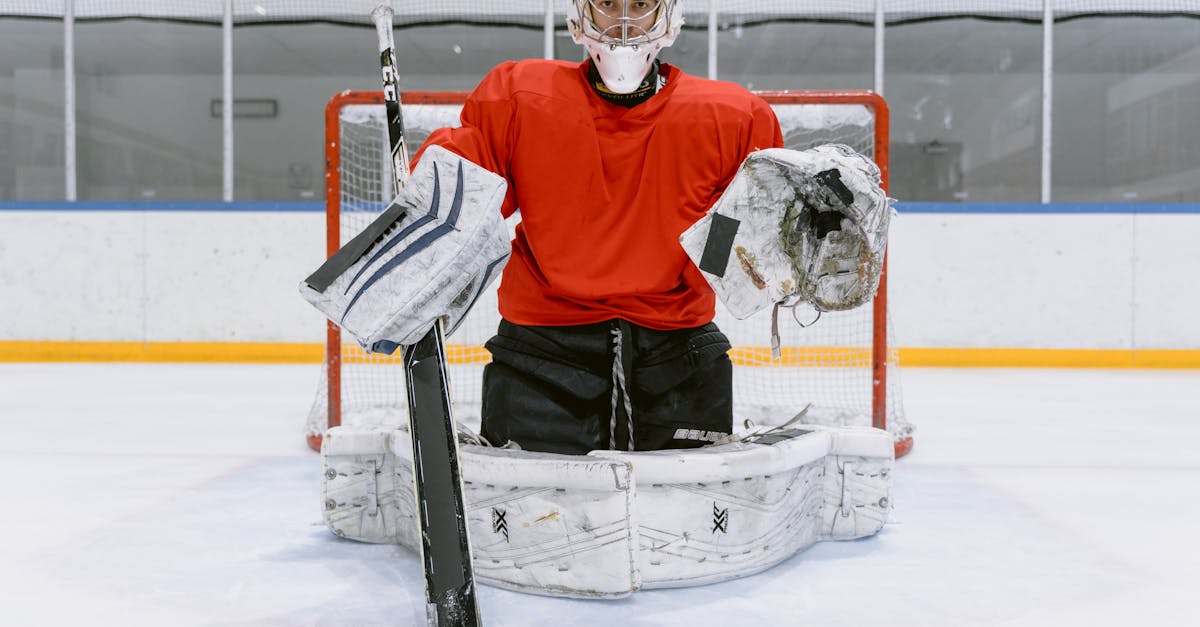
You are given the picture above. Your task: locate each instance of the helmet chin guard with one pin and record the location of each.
(623, 38)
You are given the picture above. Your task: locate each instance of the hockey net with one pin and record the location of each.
(844, 367)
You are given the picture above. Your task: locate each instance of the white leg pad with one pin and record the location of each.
(551, 524)
(858, 486)
(608, 523)
(365, 495)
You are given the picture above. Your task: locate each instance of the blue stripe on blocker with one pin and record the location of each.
(406, 231)
(422, 242)
(487, 276)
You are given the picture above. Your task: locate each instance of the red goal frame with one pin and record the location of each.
(333, 340)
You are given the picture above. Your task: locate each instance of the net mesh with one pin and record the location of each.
(827, 365)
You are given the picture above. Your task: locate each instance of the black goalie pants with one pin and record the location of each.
(609, 385)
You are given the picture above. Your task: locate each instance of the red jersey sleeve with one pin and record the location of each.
(764, 128)
(485, 137)
(761, 133)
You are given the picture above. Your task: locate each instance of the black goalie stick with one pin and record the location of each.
(445, 548)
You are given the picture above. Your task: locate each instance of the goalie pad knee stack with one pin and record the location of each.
(795, 226)
(430, 254)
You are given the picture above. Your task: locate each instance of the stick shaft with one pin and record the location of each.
(445, 544)
(382, 16)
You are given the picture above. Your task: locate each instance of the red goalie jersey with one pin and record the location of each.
(605, 191)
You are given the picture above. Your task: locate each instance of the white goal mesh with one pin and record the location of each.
(832, 364)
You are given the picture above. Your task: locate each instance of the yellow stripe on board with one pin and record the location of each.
(229, 352)
(1048, 358)
(827, 356)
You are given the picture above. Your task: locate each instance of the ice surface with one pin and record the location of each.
(148, 494)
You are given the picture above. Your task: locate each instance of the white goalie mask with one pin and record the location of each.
(623, 37)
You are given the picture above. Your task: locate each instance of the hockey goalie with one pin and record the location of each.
(607, 459)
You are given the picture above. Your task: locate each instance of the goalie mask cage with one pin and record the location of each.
(844, 367)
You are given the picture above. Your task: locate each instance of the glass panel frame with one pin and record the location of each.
(32, 113)
(966, 100)
(1126, 126)
(145, 128)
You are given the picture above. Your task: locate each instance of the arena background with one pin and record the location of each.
(140, 221)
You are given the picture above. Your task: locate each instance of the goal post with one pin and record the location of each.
(844, 367)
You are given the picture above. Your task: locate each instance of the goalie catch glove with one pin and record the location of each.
(795, 226)
(430, 254)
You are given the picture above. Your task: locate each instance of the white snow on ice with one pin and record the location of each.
(149, 494)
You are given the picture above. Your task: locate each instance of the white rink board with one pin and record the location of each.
(134, 276)
(1102, 281)
(1075, 281)
(1015, 281)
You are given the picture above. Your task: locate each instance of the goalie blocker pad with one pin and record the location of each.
(606, 524)
(795, 225)
(439, 244)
